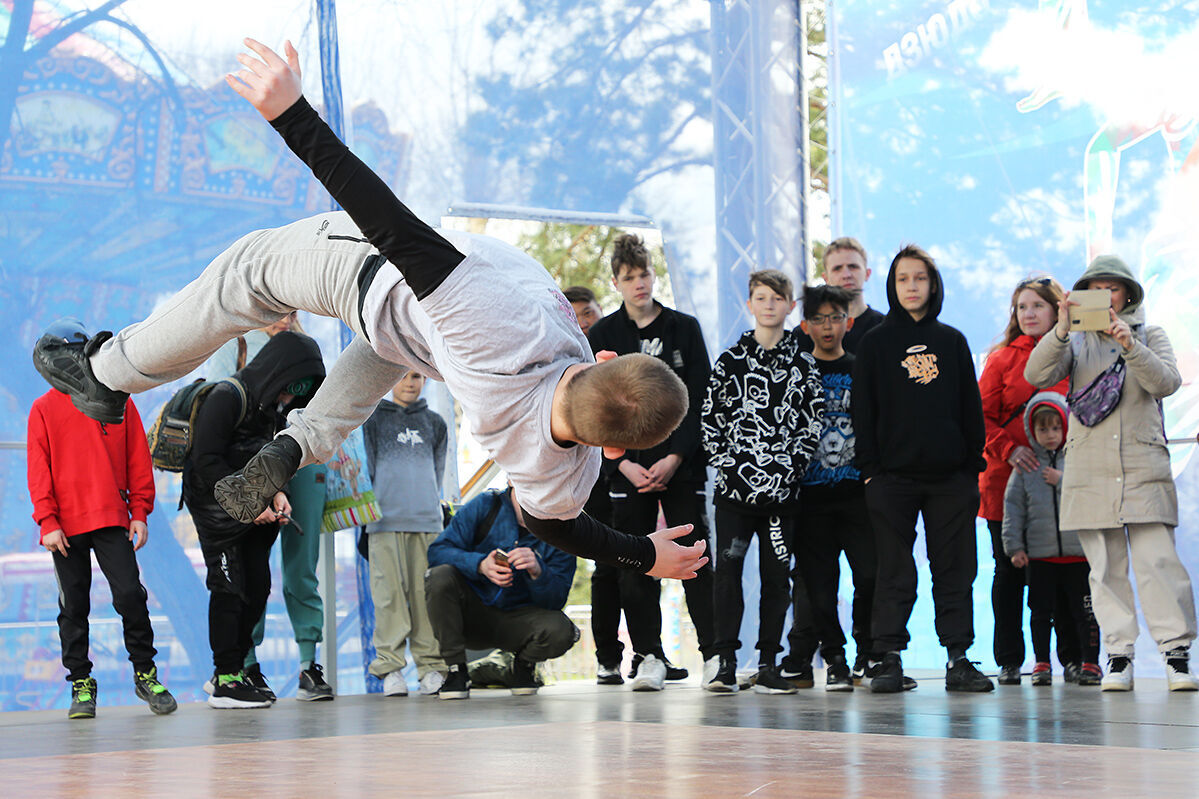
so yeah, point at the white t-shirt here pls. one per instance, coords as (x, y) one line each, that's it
(500, 334)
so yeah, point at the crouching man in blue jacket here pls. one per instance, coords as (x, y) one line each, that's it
(492, 584)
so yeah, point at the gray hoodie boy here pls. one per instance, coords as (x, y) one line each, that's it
(405, 454)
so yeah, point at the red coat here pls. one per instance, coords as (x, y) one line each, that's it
(84, 475)
(1004, 391)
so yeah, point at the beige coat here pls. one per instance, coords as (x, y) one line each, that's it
(1117, 472)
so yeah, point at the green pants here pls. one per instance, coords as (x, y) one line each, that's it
(398, 565)
(299, 554)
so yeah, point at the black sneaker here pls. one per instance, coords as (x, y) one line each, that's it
(255, 677)
(83, 699)
(524, 677)
(800, 676)
(725, 681)
(961, 676)
(457, 683)
(1009, 675)
(837, 675)
(153, 693)
(769, 681)
(312, 686)
(888, 675)
(234, 692)
(861, 669)
(66, 366)
(245, 494)
(673, 672)
(608, 675)
(1071, 672)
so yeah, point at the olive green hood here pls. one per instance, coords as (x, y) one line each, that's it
(1112, 268)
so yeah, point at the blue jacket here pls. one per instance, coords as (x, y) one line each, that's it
(456, 547)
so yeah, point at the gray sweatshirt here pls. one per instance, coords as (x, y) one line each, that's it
(1031, 507)
(405, 454)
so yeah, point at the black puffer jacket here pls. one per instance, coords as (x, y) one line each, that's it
(222, 444)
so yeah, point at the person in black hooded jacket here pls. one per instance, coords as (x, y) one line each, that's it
(228, 431)
(918, 417)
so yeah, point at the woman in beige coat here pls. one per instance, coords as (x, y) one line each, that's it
(1118, 493)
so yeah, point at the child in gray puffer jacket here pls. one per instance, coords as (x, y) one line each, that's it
(1033, 539)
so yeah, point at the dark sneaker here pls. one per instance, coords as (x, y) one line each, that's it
(66, 365)
(1090, 674)
(608, 675)
(725, 679)
(312, 686)
(255, 677)
(234, 692)
(1042, 674)
(245, 494)
(457, 683)
(888, 675)
(800, 676)
(962, 677)
(1071, 672)
(908, 683)
(769, 681)
(524, 678)
(83, 699)
(1009, 675)
(837, 676)
(861, 669)
(153, 693)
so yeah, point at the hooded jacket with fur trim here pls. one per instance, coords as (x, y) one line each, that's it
(916, 408)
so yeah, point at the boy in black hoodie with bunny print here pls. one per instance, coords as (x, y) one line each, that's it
(920, 434)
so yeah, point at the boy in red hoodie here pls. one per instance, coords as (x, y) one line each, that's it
(92, 488)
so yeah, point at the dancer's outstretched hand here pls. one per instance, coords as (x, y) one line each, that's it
(673, 560)
(271, 85)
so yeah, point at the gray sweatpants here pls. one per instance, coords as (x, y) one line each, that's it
(311, 265)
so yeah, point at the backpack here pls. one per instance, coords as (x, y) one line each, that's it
(170, 437)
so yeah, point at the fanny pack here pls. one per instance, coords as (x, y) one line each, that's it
(1096, 402)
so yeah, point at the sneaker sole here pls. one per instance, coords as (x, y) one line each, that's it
(523, 691)
(82, 715)
(721, 688)
(643, 685)
(309, 696)
(885, 688)
(395, 693)
(454, 694)
(1183, 687)
(762, 689)
(245, 496)
(229, 703)
(1117, 688)
(609, 680)
(839, 688)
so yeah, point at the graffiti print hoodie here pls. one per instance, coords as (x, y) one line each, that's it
(916, 408)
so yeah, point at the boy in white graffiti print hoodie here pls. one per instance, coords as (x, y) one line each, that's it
(405, 453)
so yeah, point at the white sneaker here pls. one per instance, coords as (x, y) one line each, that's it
(711, 666)
(431, 683)
(394, 684)
(1178, 673)
(1119, 674)
(651, 675)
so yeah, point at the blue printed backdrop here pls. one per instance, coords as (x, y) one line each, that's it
(1026, 137)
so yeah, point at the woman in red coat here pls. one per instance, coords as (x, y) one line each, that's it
(1005, 392)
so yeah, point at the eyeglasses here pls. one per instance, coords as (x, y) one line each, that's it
(832, 318)
(1035, 281)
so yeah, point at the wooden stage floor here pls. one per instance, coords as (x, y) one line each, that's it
(582, 740)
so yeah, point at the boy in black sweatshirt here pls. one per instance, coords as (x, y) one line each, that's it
(918, 418)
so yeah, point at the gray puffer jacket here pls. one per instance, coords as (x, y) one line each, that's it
(1030, 505)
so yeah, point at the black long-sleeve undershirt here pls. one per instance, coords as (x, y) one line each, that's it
(425, 259)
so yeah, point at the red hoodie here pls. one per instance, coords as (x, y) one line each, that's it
(85, 475)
